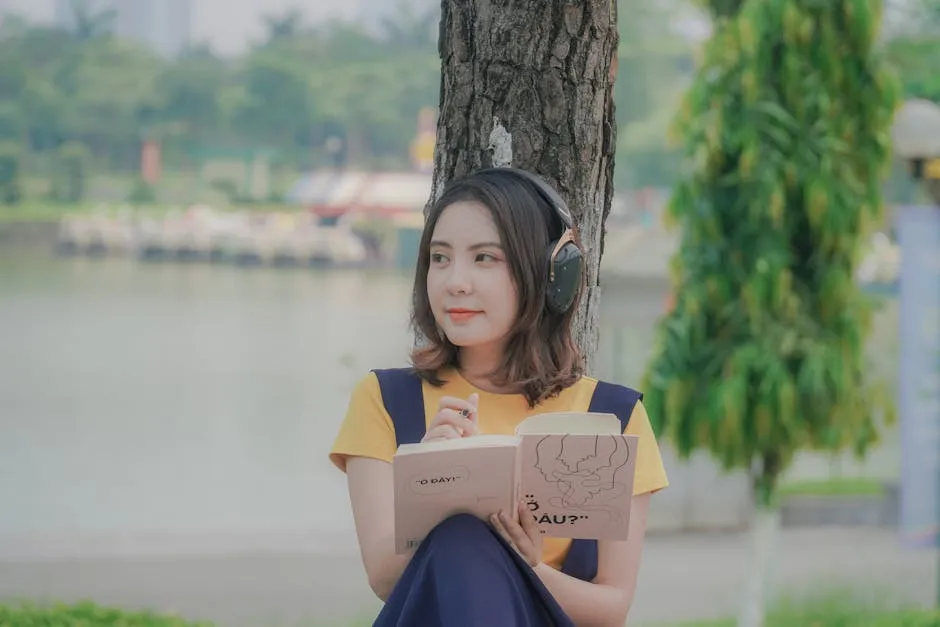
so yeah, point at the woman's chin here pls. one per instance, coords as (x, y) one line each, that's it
(462, 342)
(467, 340)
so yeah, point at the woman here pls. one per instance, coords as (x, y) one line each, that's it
(497, 281)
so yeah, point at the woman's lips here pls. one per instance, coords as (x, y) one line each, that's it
(462, 315)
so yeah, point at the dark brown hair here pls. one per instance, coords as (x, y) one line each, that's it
(541, 358)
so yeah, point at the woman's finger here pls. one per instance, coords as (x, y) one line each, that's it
(513, 528)
(461, 423)
(474, 400)
(448, 431)
(441, 432)
(465, 407)
(517, 535)
(527, 520)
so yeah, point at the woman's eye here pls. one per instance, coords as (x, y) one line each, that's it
(438, 258)
(486, 257)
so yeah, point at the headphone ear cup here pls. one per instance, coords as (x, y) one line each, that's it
(564, 278)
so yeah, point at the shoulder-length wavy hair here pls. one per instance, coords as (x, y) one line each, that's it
(541, 358)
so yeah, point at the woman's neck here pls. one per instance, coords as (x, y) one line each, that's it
(477, 366)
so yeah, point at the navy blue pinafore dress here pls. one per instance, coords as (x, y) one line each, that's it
(464, 574)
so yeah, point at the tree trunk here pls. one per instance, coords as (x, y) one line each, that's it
(529, 83)
(764, 537)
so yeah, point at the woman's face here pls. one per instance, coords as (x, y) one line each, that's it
(470, 287)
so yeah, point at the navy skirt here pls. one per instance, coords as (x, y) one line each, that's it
(465, 575)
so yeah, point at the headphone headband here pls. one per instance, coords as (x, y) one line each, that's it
(546, 191)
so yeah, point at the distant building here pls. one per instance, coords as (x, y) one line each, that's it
(164, 25)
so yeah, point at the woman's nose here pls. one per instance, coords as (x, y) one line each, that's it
(458, 279)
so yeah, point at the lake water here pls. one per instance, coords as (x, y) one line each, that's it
(166, 400)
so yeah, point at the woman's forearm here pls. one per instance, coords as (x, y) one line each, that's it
(384, 568)
(587, 604)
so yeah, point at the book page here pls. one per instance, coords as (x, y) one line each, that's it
(579, 486)
(431, 485)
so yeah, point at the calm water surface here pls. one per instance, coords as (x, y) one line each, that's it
(167, 398)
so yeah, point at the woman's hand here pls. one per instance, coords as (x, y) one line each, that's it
(456, 418)
(523, 535)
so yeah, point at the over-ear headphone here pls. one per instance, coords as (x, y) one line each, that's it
(564, 256)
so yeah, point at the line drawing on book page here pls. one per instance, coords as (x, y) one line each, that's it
(584, 470)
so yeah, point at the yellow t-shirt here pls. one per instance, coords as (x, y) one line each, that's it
(367, 430)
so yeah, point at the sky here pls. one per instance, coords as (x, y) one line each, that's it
(230, 26)
(227, 25)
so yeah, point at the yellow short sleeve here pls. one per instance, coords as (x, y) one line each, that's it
(367, 429)
(650, 472)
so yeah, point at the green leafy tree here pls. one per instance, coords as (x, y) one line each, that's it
(71, 172)
(414, 26)
(362, 81)
(278, 102)
(11, 191)
(88, 23)
(654, 68)
(763, 353)
(285, 25)
(11, 122)
(917, 59)
(189, 94)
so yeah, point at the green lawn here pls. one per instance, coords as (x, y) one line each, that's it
(844, 486)
(839, 609)
(834, 610)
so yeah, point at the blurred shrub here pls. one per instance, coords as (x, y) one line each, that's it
(71, 172)
(845, 608)
(142, 193)
(909, 618)
(85, 615)
(840, 609)
(11, 165)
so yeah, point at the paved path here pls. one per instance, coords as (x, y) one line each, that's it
(683, 577)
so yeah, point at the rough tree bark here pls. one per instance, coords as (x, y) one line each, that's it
(529, 83)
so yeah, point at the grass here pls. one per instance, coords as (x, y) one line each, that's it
(86, 614)
(835, 608)
(42, 212)
(838, 608)
(832, 609)
(839, 486)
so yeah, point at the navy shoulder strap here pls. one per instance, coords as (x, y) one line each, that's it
(609, 398)
(404, 402)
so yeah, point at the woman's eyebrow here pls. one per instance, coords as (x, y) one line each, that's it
(442, 244)
(486, 245)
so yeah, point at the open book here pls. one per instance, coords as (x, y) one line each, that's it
(574, 470)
